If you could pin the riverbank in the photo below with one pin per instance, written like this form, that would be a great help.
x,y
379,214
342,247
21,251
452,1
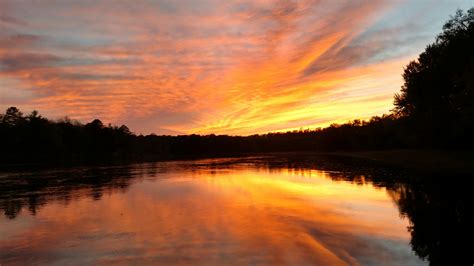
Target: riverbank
x,y
425,161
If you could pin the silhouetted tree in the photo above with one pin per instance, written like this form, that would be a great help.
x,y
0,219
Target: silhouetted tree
x,y
438,92
12,117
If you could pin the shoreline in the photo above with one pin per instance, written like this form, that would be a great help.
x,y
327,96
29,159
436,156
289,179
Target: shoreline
x,y
417,160
414,160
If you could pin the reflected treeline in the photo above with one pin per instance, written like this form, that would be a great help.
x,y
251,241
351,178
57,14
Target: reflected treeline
x,y
440,210
436,219
33,190
421,203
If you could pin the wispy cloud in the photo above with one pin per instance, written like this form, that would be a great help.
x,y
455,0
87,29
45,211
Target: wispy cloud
x,y
209,66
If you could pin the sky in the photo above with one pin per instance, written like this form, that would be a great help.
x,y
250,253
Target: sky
x,y
233,67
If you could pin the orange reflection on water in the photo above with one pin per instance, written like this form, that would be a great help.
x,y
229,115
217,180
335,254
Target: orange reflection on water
x,y
217,216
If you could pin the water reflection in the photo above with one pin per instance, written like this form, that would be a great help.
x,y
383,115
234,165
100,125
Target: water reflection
x,y
224,211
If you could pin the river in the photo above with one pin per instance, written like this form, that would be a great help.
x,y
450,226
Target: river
x,y
265,210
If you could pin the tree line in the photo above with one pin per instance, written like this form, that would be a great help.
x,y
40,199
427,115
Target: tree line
x,y
434,109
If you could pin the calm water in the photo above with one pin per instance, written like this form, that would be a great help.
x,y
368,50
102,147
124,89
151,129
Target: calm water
x,y
256,211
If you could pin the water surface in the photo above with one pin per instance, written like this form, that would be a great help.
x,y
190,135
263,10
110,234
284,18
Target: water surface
x,y
255,211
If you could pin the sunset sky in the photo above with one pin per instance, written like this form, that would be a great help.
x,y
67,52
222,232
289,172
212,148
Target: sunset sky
x,y
212,66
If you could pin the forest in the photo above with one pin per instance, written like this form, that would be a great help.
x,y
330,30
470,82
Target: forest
x,y
433,110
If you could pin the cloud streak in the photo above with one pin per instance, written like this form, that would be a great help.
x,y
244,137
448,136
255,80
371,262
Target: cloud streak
x,y
234,67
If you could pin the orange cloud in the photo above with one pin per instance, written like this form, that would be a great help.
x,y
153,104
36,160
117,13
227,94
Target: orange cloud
x,y
238,67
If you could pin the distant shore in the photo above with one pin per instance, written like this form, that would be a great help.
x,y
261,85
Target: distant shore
x,y
427,161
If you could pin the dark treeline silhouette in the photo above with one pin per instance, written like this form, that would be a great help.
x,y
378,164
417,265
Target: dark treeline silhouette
x,y
34,139
435,109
